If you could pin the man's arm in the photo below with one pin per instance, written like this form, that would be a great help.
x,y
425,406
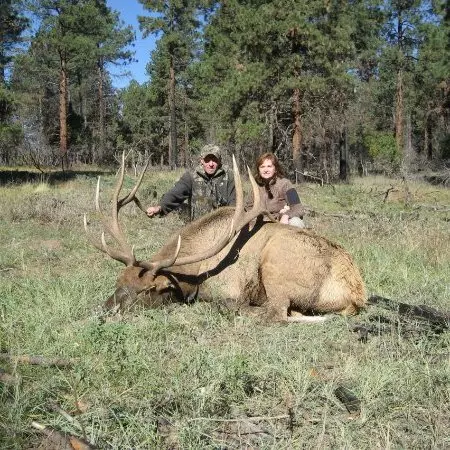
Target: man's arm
x,y
172,199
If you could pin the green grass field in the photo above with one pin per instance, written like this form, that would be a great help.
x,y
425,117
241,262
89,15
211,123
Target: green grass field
x,y
198,377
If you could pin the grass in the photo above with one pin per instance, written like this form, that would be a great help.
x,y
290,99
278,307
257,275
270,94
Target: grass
x,y
197,377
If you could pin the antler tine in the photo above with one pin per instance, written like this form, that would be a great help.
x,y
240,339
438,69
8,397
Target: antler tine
x,y
97,197
132,195
257,208
239,191
158,265
127,258
115,200
256,196
125,254
92,241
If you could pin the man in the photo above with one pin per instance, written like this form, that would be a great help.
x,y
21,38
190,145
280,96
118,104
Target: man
x,y
208,187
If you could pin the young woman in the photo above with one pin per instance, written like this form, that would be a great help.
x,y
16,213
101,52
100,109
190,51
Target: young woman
x,y
277,193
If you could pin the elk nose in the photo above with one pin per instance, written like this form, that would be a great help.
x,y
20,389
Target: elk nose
x,y
122,299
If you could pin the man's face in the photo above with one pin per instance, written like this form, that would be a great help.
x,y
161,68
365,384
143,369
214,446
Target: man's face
x,y
210,164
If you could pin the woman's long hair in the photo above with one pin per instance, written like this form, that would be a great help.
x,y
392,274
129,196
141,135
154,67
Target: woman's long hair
x,y
279,172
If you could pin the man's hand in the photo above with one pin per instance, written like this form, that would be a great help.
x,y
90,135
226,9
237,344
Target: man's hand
x,y
152,210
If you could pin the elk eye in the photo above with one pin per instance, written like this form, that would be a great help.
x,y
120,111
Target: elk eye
x,y
169,285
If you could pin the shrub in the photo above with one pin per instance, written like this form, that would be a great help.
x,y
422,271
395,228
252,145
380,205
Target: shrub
x,y
10,137
382,148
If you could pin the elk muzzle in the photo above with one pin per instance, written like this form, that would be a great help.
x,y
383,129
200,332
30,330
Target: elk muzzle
x,y
123,299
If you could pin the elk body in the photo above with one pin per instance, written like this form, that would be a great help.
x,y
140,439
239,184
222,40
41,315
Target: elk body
x,y
232,256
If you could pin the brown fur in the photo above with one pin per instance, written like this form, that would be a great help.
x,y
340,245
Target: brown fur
x,y
277,270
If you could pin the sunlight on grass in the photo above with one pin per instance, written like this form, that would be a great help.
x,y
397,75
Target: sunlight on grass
x,y
41,188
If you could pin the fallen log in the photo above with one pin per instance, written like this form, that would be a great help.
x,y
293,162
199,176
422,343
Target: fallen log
x,y
37,360
55,407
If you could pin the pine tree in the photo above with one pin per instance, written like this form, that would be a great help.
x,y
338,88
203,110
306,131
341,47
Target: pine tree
x,y
64,32
402,35
271,67
177,23
75,43
432,87
112,39
12,24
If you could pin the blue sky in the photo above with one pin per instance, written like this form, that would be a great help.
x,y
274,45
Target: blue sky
x,y
129,10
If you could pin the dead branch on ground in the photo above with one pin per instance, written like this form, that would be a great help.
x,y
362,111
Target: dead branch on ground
x,y
7,378
38,360
61,441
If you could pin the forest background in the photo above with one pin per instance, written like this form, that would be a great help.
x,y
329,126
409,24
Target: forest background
x,y
329,86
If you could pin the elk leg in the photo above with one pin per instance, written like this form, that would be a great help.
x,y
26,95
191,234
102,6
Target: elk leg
x,y
277,312
278,302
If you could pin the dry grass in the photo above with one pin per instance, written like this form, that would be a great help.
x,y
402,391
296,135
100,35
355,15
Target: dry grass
x,y
197,376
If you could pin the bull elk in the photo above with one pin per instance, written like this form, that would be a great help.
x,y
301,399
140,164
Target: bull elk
x,y
232,256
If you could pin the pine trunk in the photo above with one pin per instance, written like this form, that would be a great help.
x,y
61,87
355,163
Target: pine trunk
x,y
101,114
429,136
399,133
297,132
63,113
184,148
343,157
271,133
3,102
173,127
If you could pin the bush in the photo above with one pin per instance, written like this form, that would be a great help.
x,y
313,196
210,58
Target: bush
x,y
10,138
381,146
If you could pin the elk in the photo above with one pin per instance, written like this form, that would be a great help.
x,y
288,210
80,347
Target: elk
x,y
231,256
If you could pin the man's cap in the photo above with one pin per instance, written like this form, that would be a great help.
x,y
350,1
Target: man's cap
x,y
210,149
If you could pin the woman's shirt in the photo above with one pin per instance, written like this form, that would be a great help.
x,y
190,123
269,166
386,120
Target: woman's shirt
x,y
278,194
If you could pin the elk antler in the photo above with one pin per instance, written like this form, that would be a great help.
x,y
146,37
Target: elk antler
x,y
125,253
240,219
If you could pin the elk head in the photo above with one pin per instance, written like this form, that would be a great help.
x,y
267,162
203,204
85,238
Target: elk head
x,y
151,282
